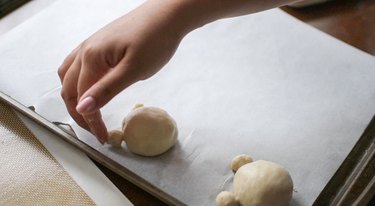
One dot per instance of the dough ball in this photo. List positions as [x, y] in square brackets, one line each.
[226, 198]
[240, 160]
[135, 106]
[115, 138]
[263, 183]
[149, 131]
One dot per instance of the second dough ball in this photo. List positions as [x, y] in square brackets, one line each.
[263, 183]
[149, 131]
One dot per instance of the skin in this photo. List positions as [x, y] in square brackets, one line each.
[134, 47]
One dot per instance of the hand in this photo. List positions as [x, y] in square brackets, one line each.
[132, 48]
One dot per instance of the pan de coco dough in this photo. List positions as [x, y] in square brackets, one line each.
[115, 138]
[262, 183]
[226, 198]
[149, 131]
[240, 160]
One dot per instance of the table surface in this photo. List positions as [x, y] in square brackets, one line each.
[351, 21]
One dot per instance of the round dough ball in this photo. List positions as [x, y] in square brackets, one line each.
[115, 138]
[135, 106]
[263, 183]
[149, 131]
[240, 160]
[226, 198]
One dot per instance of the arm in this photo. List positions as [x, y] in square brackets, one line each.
[133, 48]
[197, 13]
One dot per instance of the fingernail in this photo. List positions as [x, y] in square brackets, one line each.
[86, 105]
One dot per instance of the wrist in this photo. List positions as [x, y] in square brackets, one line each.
[187, 15]
[180, 16]
[169, 15]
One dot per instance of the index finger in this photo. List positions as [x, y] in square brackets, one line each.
[96, 124]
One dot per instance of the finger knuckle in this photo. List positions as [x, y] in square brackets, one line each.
[66, 96]
[89, 51]
[61, 71]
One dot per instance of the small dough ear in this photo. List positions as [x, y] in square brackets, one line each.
[137, 105]
[226, 198]
[240, 160]
[115, 138]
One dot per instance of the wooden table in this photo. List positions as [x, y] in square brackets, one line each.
[352, 21]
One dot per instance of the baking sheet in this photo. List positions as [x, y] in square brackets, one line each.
[82, 170]
[264, 84]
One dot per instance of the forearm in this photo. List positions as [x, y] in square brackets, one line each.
[192, 14]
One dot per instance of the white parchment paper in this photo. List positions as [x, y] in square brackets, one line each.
[264, 84]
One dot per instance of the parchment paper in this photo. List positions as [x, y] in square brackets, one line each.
[264, 84]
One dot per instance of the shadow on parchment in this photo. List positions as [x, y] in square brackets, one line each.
[295, 202]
